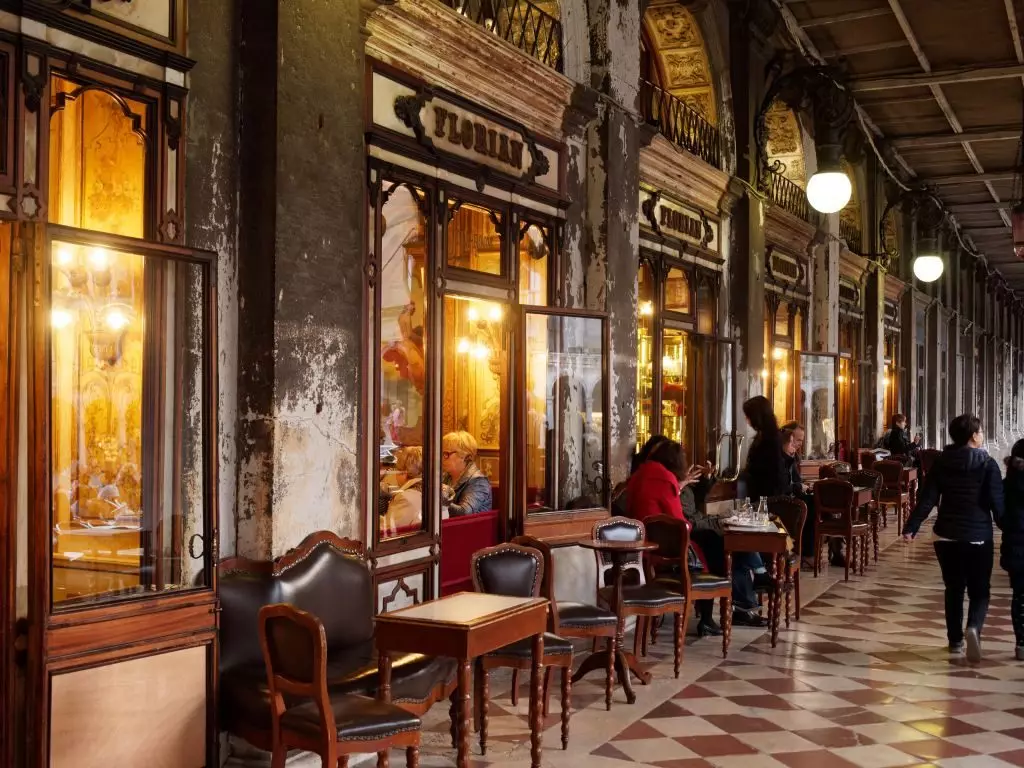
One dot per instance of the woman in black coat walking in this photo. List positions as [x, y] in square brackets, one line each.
[1012, 549]
[966, 485]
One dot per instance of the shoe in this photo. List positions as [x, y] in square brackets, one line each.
[709, 628]
[973, 645]
[956, 649]
[742, 618]
[1019, 653]
[837, 560]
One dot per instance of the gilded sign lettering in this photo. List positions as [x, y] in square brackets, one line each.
[478, 137]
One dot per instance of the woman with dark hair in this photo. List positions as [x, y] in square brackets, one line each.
[1012, 549]
[966, 485]
[654, 488]
[765, 474]
[620, 496]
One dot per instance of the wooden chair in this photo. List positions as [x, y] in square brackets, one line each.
[639, 599]
[516, 571]
[569, 619]
[895, 491]
[867, 458]
[836, 519]
[926, 457]
[793, 514]
[294, 647]
[869, 478]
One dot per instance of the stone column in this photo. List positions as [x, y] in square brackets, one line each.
[750, 25]
[611, 237]
[302, 208]
[874, 348]
[825, 291]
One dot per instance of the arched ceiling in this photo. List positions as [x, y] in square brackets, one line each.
[785, 143]
[679, 57]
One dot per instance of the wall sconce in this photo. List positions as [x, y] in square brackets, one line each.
[931, 215]
[816, 89]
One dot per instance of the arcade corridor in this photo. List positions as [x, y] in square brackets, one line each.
[863, 679]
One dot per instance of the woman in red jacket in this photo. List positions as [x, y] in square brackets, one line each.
[655, 486]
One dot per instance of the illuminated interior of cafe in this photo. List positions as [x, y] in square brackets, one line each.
[848, 381]
[127, 346]
[676, 347]
[784, 321]
[457, 359]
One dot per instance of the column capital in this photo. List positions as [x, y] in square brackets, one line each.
[369, 7]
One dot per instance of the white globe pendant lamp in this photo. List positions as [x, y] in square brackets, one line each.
[928, 266]
[828, 191]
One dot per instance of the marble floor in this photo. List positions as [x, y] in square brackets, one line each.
[863, 680]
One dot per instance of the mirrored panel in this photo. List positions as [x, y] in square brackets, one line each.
[474, 239]
[818, 404]
[127, 343]
[645, 354]
[565, 428]
[403, 318]
[678, 296]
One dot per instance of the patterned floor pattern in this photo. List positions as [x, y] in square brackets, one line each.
[862, 681]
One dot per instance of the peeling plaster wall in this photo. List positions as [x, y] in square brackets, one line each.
[211, 207]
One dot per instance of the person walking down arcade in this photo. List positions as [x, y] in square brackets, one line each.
[966, 486]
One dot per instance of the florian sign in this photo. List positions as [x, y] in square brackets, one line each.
[672, 219]
[445, 126]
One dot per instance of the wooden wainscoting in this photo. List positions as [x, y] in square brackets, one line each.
[150, 711]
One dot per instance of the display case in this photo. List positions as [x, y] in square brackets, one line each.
[784, 333]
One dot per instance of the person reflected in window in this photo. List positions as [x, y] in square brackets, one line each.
[465, 488]
[405, 510]
[897, 439]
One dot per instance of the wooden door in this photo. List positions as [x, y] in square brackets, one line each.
[121, 393]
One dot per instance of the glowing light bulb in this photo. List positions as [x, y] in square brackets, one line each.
[472, 315]
[60, 318]
[887, 382]
[463, 346]
[829, 192]
[764, 373]
[480, 352]
[495, 314]
[842, 379]
[928, 269]
[778, 353]
[64, 257]
[783, 375]
[98, 258]
[116, 320]
[647, 309]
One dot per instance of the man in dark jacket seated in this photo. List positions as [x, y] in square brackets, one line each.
[897, 439]
[792, 436]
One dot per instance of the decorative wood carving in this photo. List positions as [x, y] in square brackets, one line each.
[400, 586]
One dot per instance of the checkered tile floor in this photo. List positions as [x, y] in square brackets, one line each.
[863, 680]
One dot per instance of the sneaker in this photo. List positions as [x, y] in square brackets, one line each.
[1019, 653]
[709, 628]
[973, 645]
[956, 649]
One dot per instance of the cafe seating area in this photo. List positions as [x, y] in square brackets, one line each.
[305, 664]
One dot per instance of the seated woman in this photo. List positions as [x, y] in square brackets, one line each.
[405, 510]
[466, 489]
[656, 488]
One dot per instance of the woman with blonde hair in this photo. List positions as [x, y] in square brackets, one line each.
[466, 489]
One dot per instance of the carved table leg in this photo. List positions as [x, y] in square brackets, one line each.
[485, 694]
[536, 706]
[384, 676]
[726, 608]
[462, 759]
[383, 759]
[566, 704]
[609, 680]
[412, 757]
[677, 641]
[788, 588]
[779, 578]
[453, 715]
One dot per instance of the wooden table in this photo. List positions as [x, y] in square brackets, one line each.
[625, 662]
[910, 478]
[767, 541]
[464, 626]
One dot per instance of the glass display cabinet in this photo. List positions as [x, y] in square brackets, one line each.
[784, 334]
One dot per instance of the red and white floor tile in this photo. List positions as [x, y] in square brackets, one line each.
[862, 681]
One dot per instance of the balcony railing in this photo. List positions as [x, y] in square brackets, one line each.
[850, 232]
[519, 22]
[789, 196]
[680, 124]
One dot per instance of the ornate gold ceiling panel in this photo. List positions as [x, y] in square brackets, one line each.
[785, 143]
[677, 47]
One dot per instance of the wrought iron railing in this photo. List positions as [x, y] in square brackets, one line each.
[789, 196]
[850, 232]
[680, 124]
[519, 22]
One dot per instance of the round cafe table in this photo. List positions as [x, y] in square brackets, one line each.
[625, 662]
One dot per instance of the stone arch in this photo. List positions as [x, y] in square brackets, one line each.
[674, 56]
[786, 143]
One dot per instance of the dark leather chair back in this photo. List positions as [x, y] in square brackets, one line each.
[833, 500]
[867, 459]
[673, 539]
[827, 471]
[508, 569]
[892, 474]
[867, 478]
[620, 529]
[793, 514]
[320, 575]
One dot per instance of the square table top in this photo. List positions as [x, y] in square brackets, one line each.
[463, 609]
